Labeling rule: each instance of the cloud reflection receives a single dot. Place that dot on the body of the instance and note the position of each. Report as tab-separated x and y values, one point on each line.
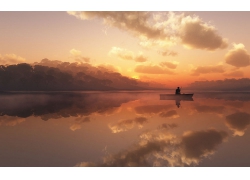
161	148
10	121
209	109
238	122
127	124
78	122
153	109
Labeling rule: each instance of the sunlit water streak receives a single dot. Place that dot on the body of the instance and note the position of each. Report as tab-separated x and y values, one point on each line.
124	129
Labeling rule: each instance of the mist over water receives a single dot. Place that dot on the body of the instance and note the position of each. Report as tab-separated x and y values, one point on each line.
123	128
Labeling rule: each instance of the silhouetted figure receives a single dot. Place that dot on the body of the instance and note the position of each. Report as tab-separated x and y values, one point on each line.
178	90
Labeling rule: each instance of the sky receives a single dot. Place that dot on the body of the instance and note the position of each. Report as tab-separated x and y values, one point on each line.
168	47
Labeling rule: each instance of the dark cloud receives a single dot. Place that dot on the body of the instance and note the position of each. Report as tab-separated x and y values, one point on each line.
208	69
56	75
197	34
134	22
238	56
166	30
238	122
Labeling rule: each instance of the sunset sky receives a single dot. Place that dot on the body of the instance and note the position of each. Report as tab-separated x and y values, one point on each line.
174	48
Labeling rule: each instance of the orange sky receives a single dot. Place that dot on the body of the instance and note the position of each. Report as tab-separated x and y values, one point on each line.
173	48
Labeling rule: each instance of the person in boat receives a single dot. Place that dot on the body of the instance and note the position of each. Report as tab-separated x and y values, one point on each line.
178	90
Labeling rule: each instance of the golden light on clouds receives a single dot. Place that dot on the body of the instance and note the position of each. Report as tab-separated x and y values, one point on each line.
238	56
11	59
162	29
208	69
152	69
77	56
159	45
197	34
127	55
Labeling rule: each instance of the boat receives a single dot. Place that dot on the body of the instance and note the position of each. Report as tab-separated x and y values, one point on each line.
185	97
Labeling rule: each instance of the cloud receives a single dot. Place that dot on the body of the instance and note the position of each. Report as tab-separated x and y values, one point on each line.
168	53
134	22
140	58
207	69
195	33
238	122
167	29
109	68
152	69
238	56
171	65
82	76
235	74
242	84
77	56
11	59
127	55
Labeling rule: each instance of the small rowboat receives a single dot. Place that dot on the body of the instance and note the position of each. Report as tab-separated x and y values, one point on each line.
187	97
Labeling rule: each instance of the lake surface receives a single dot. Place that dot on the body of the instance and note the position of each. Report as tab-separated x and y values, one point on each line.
124	129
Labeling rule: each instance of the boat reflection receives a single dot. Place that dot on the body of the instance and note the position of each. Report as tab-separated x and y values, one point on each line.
177	98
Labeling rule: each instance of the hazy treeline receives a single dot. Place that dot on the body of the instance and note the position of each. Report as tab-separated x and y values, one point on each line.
63	76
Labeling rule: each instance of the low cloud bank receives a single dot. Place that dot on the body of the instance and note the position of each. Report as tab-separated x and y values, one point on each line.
56	75
242	84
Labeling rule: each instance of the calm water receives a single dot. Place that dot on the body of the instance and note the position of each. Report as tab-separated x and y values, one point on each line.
124	129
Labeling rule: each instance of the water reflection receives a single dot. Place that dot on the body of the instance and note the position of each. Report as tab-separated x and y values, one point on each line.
124	125
238	122
177	98
160	148
123	129
57	105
